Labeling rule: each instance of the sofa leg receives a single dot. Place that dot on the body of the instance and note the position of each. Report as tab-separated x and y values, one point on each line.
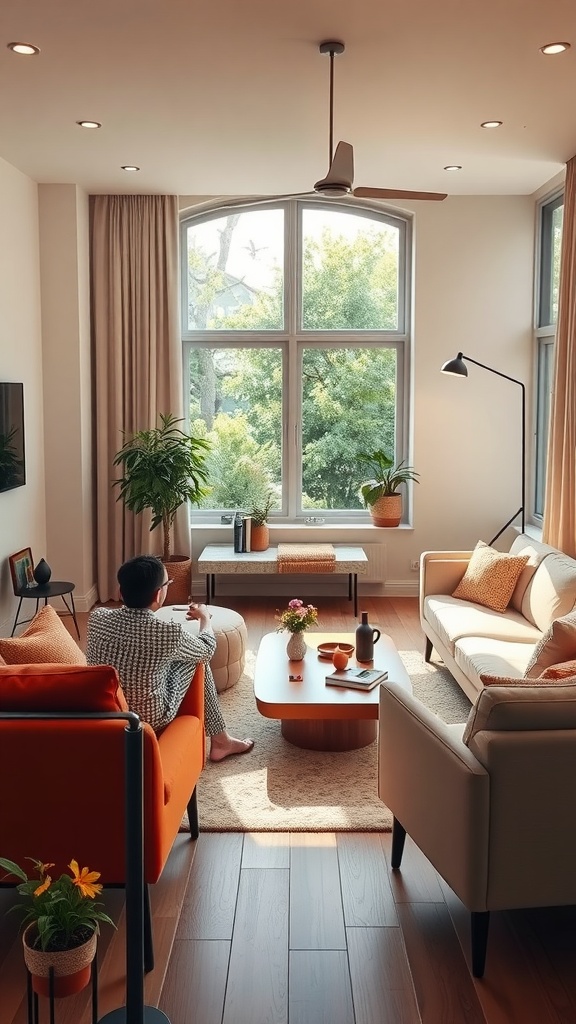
428	650
148	938
479	933
398	837
193	815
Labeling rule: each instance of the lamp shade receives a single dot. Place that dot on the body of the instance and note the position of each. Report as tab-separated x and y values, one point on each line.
456	366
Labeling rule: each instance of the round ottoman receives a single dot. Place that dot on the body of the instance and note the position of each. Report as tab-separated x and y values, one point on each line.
229	628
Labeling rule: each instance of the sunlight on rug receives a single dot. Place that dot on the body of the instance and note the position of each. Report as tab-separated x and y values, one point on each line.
281	788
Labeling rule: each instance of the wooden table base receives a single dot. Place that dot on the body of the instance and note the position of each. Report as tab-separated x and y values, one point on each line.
329	734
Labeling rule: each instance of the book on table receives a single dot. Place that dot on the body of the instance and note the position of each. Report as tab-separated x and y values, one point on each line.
357	678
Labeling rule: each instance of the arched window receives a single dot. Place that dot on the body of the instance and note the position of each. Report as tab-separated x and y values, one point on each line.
296	351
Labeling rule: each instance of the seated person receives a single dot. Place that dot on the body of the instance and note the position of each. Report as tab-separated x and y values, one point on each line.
156	660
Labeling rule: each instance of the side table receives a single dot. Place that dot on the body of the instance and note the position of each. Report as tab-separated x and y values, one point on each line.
54	589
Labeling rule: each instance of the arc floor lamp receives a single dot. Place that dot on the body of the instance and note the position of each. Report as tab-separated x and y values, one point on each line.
457	367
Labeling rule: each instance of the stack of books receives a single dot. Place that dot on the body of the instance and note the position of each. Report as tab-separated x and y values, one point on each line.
242	532
357	678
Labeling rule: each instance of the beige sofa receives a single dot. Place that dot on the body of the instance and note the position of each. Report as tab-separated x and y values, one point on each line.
472	639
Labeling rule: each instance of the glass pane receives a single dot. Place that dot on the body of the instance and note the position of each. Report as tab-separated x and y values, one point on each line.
236	402
348	407
235	272
349	273
544	392
557	218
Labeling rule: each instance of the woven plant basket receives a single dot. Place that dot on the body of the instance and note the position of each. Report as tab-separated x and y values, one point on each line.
71	966
387	511
179	569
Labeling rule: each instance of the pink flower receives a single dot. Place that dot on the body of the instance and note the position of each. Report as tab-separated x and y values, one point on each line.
295	603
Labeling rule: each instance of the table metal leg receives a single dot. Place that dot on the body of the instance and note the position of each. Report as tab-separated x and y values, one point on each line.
16	619
71	610
355	590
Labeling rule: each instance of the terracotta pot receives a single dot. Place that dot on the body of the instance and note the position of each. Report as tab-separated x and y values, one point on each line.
296	647
71	966
387	511
259	537
179	569
340	659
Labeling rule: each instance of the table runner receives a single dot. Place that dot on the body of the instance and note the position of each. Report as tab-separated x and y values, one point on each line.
306	558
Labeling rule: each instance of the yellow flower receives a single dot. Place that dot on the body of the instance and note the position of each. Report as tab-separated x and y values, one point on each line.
45	884
85	879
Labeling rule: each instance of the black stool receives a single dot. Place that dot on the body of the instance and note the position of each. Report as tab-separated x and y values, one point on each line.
55	589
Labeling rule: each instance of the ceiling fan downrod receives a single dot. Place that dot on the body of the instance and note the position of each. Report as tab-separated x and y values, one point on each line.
331	48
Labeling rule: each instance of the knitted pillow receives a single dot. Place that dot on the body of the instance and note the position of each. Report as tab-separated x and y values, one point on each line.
491	577
562	671
45	641
558	644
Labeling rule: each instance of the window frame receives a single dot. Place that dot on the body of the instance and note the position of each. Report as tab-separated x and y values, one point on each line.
293	340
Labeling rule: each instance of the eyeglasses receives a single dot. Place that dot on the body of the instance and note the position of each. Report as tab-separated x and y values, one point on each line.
166	583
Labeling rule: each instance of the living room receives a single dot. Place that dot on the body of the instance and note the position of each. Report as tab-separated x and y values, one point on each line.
473	272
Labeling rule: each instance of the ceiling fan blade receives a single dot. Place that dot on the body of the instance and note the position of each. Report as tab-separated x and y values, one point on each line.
397	193
341	174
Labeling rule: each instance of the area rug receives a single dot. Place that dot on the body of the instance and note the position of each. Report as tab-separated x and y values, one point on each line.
282	788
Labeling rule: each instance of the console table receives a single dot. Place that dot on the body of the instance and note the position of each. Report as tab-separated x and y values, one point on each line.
221	559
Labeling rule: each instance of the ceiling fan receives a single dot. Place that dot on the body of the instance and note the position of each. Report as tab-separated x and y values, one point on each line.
340	178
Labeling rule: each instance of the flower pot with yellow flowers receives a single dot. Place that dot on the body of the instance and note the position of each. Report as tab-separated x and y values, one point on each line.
62	919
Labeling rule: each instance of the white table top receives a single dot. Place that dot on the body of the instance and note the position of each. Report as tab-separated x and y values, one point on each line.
220	558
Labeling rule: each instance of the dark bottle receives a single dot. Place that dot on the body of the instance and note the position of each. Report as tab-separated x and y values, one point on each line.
42	572
238	532
366	637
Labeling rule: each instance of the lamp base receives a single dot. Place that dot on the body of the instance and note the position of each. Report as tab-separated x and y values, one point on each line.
150	1015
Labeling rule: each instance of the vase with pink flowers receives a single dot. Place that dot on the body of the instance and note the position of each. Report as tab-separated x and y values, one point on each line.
296	619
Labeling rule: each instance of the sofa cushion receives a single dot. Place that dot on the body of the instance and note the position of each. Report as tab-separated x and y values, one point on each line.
562	671
60	688
452	619
45	640
490	577
522	708
558	644
551	593
535	556
477	655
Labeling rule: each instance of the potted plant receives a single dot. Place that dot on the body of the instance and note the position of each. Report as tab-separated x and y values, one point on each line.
381	494
260	533
296	618
62	921
162	468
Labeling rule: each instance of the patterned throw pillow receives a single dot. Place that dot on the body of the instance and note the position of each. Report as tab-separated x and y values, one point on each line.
564	670
490	577
558	644
45	641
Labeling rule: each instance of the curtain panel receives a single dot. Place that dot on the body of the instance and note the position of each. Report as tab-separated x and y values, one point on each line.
137	359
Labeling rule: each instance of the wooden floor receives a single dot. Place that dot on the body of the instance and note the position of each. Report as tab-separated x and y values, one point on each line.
314	928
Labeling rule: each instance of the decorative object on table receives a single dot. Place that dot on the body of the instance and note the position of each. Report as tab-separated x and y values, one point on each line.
260	538
326	650
296	618
63	922
366	637
340	658
381	494
357	678
457	368
21	570
296	558
42	572
162	469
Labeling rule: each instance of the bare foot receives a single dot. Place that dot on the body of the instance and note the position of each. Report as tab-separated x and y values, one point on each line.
223	746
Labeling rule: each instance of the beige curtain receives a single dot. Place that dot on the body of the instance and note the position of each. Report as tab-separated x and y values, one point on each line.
137	359
559	527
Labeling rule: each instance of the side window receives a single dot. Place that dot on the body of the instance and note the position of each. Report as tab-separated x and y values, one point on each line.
548	278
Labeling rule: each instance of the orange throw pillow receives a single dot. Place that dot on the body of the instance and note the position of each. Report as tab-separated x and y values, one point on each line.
61	688
564	670
45	641
491	577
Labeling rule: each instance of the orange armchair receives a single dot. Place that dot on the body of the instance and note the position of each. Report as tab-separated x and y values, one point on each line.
66	792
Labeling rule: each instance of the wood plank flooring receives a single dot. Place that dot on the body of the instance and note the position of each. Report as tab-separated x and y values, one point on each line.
311	928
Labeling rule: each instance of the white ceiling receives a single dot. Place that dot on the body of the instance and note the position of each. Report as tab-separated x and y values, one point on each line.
231	97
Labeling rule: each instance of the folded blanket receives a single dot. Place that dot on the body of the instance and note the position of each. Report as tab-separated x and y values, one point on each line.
306	558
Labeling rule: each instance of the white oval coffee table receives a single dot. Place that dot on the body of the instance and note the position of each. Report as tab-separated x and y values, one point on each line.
312	714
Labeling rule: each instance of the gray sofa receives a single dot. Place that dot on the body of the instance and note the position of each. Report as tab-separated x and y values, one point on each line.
472	639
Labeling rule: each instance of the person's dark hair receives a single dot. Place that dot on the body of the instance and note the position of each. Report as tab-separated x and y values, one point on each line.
139	579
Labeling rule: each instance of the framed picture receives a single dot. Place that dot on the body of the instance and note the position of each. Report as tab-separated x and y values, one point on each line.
22	569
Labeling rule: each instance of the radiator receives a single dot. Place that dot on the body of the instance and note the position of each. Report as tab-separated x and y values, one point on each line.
377	562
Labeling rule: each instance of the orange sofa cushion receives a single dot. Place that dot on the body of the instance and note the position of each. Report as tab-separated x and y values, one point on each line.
60	688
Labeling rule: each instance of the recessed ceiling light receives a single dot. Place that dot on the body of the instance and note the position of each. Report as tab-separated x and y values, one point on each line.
554	48
129	167
453	167
26	48
491	124
89	124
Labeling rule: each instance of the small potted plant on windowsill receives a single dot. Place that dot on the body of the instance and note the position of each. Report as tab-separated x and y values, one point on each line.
260	533
381	495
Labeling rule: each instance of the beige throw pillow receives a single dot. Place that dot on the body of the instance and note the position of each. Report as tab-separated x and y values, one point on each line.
522	706
45	641
558	644
490	577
